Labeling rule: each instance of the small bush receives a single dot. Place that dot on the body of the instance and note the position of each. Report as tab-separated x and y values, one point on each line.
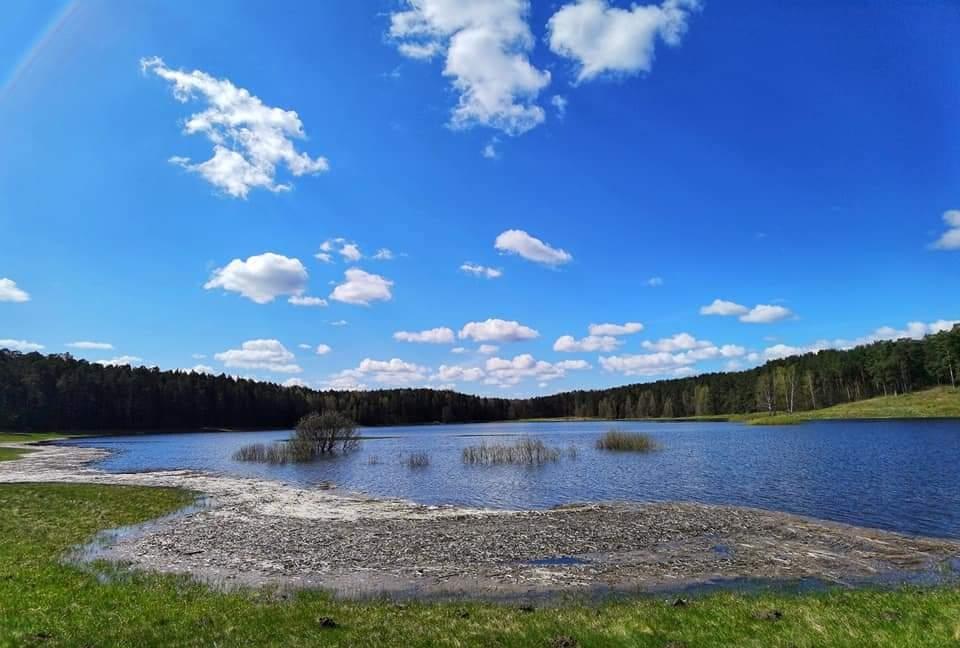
524	451
620	440
417	460
315	435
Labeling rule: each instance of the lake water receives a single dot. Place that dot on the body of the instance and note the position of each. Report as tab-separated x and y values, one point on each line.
902	476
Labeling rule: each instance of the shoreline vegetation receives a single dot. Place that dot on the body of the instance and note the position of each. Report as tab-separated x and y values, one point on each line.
81	395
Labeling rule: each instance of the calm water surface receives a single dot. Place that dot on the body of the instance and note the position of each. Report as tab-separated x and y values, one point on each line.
903	476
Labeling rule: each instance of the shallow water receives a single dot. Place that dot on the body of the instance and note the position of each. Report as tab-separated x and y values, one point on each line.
901	476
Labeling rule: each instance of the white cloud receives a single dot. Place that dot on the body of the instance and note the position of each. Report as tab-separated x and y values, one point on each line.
304	345
913	330
458	350
384	254
602	39
766	314
504	373
351	252
950	240
628	328
458	374
362	288
481	271
724	308
261	278
568	344
390	372
489	151
250	139
121	361
260	354
497	330
678	342
559	102
531	248
9	292
323	349
305	300
198	356
20	345
339	323
655	282
201	369
326	257
486	47
759	314
442	335
488	349
295	382
99	346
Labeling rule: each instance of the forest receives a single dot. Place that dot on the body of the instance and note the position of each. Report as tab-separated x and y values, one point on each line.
63	393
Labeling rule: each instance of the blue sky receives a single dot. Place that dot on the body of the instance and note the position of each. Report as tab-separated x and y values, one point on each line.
613	164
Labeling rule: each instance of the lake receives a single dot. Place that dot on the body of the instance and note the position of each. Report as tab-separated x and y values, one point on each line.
899	475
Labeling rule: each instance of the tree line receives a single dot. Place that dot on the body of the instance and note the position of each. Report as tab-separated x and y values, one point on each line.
60	392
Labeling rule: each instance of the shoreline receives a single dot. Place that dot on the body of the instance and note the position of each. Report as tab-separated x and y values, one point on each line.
260	532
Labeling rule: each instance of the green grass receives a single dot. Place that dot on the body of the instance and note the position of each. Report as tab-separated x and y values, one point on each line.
9	454
621	441
45	603
29	437
940	402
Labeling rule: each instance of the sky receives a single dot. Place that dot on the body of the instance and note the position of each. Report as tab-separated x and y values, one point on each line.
500	197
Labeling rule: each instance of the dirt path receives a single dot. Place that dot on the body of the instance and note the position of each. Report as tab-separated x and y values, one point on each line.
260	531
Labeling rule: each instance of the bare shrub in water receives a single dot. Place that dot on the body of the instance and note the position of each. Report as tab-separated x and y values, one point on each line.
620	440
315	435
417	460
525	451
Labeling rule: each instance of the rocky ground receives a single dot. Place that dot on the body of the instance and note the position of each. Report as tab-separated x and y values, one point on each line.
256	531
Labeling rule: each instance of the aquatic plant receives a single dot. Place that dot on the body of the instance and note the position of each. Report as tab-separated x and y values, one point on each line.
524	451
620	440
417	460
316	435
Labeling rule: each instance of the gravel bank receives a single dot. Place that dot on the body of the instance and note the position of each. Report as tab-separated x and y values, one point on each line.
258	532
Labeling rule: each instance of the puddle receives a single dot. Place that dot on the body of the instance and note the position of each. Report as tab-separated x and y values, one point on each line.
723	551
557	561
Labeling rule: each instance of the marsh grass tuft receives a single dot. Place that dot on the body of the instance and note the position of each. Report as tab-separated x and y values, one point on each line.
316	435
417	460
525	451
622	441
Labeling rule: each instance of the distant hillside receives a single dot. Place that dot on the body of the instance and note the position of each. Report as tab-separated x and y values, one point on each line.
938	402
59	392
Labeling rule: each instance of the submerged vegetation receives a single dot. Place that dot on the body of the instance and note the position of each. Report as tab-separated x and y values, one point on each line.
525	451
316	435
626	441
59	392
45	602
417	460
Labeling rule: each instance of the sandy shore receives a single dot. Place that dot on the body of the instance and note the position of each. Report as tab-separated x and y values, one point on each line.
259	531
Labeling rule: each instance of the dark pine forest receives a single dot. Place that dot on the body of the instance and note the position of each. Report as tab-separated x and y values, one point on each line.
59	392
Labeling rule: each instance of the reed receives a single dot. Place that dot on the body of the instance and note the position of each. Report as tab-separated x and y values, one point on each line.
525	451
417	460
621	441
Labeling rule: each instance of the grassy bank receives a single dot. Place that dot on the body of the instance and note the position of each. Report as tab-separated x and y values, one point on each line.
43	602
940	402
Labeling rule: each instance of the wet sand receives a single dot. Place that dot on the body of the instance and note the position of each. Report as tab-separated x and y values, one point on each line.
256	532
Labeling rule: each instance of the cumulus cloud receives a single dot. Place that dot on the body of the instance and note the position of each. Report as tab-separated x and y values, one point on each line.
481	271
121	361
489	151
672	356
9	292
504	373
655	282
260	354
497	330
912	330
628	328
295	382
950	240
441	335
20	345
95	346
531	248
456	374
201	369
488	349
384	254
601	39
766	314
362	288
486	48
724	308
250	139
759	314
678	342
388	372
261	278
559	102
569	344
323	349
298	300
